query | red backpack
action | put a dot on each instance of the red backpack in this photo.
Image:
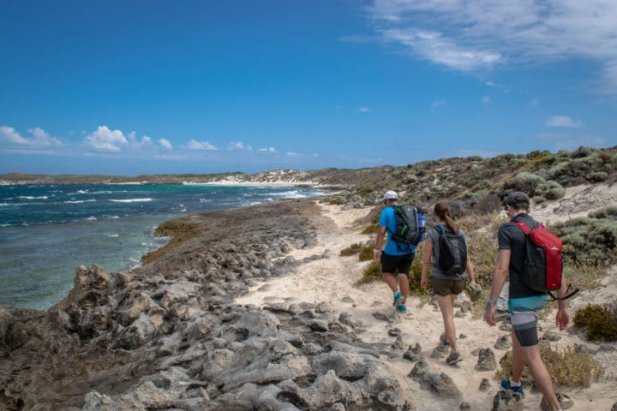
(543, 265)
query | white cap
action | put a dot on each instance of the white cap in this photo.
(390, 195)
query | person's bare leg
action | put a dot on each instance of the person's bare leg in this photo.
(518, 358)
(403, 283)
(447, 312)
(391, 281)
(541, 377)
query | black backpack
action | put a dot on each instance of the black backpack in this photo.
(452, 252)
(410, 223)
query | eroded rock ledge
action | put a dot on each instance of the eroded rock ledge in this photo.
(167, 335)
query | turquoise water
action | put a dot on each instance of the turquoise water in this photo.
(46, 231)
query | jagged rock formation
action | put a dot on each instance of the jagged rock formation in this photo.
(167, 335)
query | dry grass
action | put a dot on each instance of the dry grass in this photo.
(371, 229)
(351, 250)
(366, 253)
(371, 273)
(567, 368)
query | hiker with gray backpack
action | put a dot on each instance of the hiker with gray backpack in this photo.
(445, 254)
(404, 227)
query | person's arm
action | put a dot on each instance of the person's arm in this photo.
(427, 254)
(470, 270)
(381, 234)
(563, 318)
(499, 279)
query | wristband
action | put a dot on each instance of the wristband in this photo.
(490, 302)
(376, 250)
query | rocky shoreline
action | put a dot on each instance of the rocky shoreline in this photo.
(167, 335)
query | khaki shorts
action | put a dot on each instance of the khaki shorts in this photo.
(447, 287)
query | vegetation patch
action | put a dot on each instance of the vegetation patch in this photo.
(568, 368)
(588, 241)
(371, 273)
(599, 320)
(371, 229)
(366, 253)
(351, 250)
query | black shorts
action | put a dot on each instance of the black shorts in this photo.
(397, 264)
(443, 287)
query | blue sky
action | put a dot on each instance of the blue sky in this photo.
(129, 87)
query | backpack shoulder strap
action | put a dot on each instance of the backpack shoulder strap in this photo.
(440, 230)
(522, 226)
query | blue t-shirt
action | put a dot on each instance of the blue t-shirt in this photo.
(388, 219)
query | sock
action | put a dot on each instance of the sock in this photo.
(515, 383)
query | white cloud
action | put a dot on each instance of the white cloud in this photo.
(239, 146)
(293, 154)
(267, 150)
(436, 47)
(562, 121)
(364, 110)
(165, 143)
(200, 146)
(473, 35)
(39, 138)
(485, 99)
(42, 139)
(534, 102)
(10, 136)
(104, 139)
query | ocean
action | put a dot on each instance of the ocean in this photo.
(46, 231)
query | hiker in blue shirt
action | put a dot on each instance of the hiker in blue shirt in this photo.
(523, 302)
(396, 258)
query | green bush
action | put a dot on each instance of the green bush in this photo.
(606, 212)
(525, 182)
(597, 176)
(599, 321)
(551, 190)
(591, 241)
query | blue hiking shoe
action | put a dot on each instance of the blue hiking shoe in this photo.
(396, 300)
(401, 308)
(505, 386)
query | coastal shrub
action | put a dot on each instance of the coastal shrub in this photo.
(568, 367)
(351, 250)
(583, 166)
(597, 176)
(525, 182)
(550, 190)
(371, 273)
(591, 241)
(366, 253)
(599, 321)
(609, 212)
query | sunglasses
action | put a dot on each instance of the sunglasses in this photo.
(506, 207)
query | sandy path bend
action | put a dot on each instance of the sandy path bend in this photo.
(333, 278)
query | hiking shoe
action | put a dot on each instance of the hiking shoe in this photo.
(454, 358)
(505, 386)
(401, 308)
(396, 300)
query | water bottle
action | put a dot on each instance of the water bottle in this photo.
(421, 225)
(421, 220)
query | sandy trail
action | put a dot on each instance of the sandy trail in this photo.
(334, 278)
